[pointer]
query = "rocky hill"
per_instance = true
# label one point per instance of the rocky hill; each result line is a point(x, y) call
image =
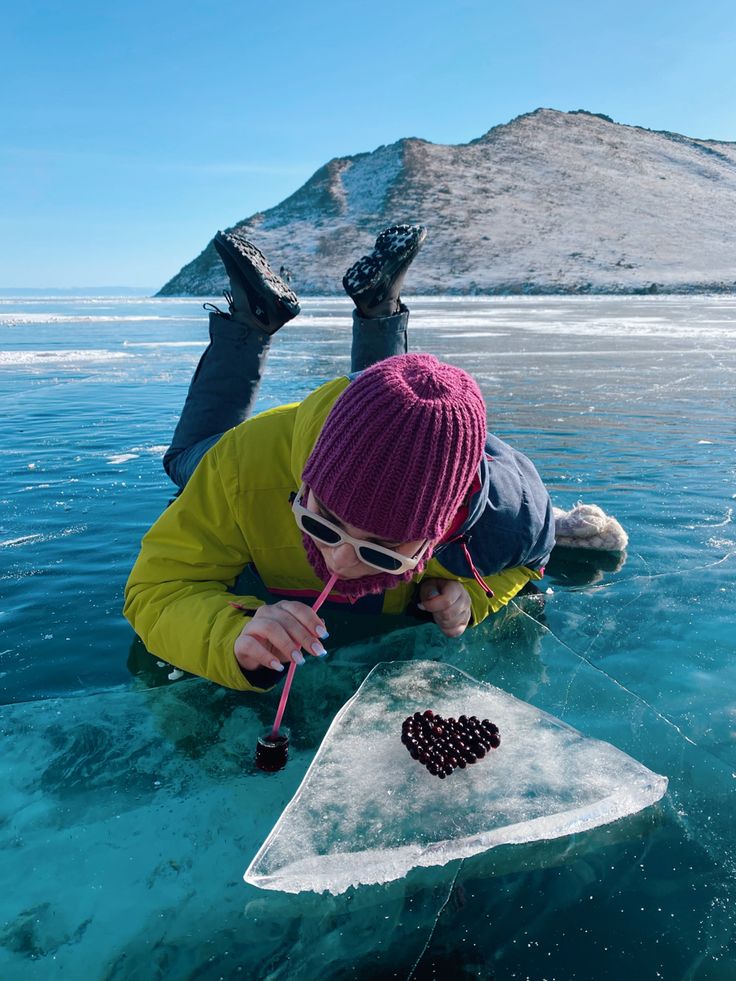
point(551, 202)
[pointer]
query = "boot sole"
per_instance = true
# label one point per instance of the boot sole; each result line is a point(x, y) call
point(395, 248)
point(281, 301)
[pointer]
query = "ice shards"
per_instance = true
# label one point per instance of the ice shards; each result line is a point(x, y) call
point(366, 812)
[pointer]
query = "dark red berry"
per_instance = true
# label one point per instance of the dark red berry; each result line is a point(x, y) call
point(443, 745)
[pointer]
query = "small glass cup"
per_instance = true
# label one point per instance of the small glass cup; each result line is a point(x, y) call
point(272, 752)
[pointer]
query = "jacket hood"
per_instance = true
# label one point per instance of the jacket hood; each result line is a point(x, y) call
point(510, 520)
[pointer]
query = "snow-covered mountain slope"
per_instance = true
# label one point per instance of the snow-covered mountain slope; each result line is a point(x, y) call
point(550, 202)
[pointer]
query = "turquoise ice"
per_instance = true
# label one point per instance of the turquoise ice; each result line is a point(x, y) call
point(129, 804)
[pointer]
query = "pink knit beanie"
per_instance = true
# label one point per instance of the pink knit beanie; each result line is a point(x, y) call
point(400, 447)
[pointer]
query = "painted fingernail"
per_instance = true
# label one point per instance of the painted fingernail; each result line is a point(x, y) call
point(322, 632)
point(277, 665)
point(297, 657)
point(432, 593)
point(318, 649)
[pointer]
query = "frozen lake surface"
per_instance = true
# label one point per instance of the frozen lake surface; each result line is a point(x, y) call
point(130, 807)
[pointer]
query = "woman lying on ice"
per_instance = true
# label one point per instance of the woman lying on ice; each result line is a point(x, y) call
point(386, 477)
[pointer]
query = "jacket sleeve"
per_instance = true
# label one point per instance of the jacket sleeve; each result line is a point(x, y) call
point(177, 595)
point(504, 585)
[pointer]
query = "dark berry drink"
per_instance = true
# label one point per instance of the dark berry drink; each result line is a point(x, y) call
point(272, 752)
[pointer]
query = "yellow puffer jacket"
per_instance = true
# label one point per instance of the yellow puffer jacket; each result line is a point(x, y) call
point(234, 511)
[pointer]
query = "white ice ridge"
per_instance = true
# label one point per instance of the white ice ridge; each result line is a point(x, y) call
point(367, 813)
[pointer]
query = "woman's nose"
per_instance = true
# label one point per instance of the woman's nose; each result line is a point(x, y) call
point(344, 555)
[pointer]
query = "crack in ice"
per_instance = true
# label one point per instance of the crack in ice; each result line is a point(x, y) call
point(622, 687)
point(433, 928)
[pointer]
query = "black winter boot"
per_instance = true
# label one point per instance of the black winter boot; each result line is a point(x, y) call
point(257, 298)
point(374, 282)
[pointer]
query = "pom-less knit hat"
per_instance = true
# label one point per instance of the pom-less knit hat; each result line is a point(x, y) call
point(400, 447)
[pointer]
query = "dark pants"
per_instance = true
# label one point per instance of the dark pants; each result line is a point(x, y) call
point(224, 387)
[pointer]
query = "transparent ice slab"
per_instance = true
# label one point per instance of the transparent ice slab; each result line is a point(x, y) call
point(367, 813)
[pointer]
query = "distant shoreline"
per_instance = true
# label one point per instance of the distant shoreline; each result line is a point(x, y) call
point(505, 290)
point(531, 289)
point(69, 292)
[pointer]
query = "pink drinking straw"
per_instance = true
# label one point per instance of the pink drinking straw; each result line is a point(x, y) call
point(292, 667)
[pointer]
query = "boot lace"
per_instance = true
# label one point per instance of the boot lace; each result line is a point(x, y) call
point(213, 308)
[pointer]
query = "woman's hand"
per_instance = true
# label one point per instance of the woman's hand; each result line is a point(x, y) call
point(449, 603)
point(276, 635)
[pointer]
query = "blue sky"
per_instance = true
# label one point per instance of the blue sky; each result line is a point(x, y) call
point(131, 132)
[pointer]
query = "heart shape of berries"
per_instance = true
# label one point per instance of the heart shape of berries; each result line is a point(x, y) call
point(444, 745)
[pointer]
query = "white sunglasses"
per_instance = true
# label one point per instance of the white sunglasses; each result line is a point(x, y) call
point(376, 556)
